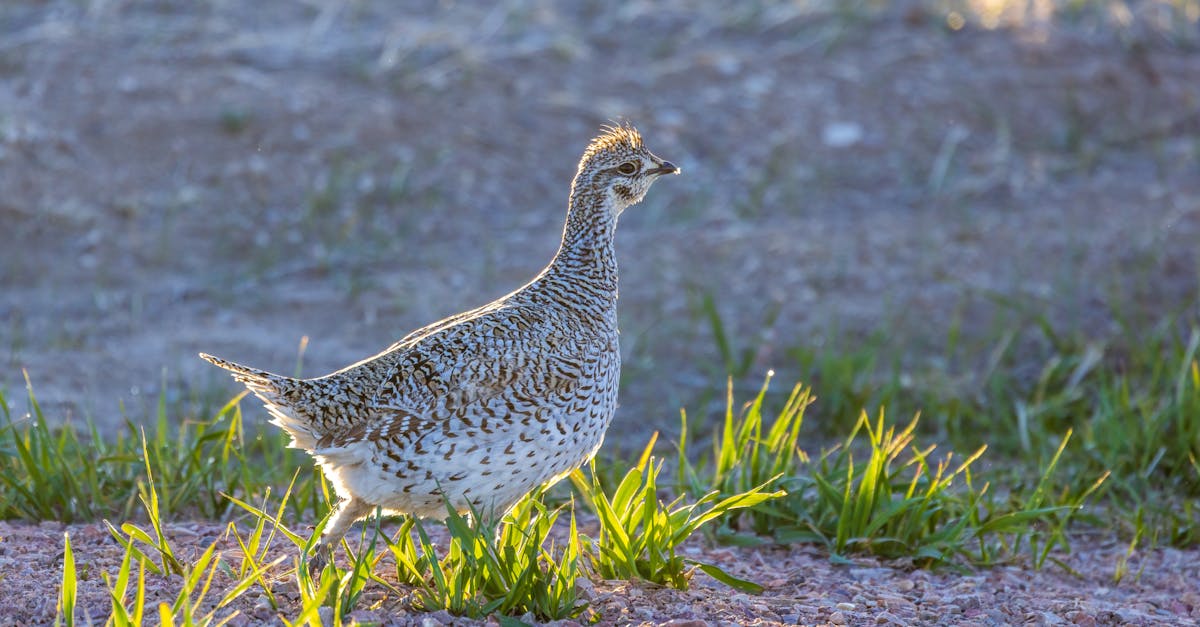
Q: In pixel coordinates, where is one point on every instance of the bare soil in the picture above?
(232, 177)
(802, 588)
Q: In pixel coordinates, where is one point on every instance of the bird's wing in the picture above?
(465, 365)
(479, 358)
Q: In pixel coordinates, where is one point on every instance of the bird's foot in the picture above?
(321, 557)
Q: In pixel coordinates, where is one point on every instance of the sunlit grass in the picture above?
(69, 587)
(193, 579)
(896, 499)
(1131, 406)
(506, 569)
(746, 454)
(71, 475)
(640, 535)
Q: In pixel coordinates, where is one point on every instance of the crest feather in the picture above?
(614, 138)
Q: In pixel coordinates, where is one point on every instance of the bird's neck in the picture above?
(587, 257)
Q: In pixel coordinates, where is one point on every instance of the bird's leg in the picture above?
(347, 512)
(321, 556)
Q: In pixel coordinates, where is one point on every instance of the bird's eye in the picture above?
(628, 168)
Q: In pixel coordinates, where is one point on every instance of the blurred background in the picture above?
(920, 191)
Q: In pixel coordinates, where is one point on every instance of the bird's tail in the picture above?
(274, 391)
(260, 382)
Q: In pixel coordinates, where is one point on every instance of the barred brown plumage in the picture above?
(484, 406)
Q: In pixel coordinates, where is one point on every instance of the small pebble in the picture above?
(1049, 618)
(1083, 619)
(841, 134)
(846, 607)
(838, 618)
(967, 601)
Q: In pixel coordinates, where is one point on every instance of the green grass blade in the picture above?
(68, 590)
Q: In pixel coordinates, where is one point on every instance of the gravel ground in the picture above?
(802, 587)
(213, 177)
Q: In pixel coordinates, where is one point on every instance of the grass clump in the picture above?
(131, 534)
(58, 476)
(510, 567)
(126, 613)
(639, 534)
(195, 577)
(505, 569)
(900, 502)
(74, 475)
(194, 596)
(338, 589)
(903, 503)
(743, 457)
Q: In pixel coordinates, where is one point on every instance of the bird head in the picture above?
(619, 167)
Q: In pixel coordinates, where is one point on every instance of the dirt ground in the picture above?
(802, 588)
(202, 176)
(232, 177)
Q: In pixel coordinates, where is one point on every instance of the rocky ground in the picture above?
(209, 176)
(802, 587)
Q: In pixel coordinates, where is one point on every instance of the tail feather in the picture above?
(273, 390)
(259, 381)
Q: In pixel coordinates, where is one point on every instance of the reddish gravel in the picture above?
(802, 587)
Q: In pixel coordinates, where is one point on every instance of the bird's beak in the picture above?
(666, 167)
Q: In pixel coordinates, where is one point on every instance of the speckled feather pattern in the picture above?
(484, 406)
